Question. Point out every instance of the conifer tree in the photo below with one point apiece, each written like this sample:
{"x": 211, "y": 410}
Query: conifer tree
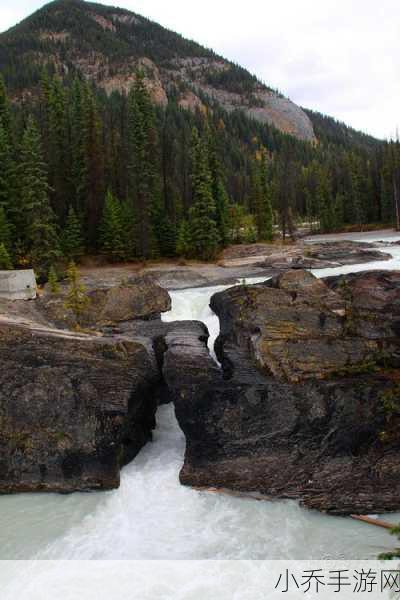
{"x": 41, "y": 238}
{"x": 78, "y": 150}
{"x": 183, "y": 240}
{"x": 5, "y": 112}
{"x": 128, "y": 230}
{"x": 53, "y": 281}
{"x": 324, "y": 201}
{"x": 355, "y": 204}
{"x": 57, "y": 146}
{"x": 144, "y": 184}
{"x": 5, "y": 260}
{"x": 93, "y": 163}
{"x": 218, "y": 190}
{"x": 72, "y": 238}
{"x": 77, "y": 299}
{"x": 339, "y": 211}
{"x": 8, "y": 184}
{"x": 5, "y": 230}
{"x": 111, "y": 229}
{"x": 261, "y": 198}
{"x": 167, "y": 236}
{"x": 203, "y": 227}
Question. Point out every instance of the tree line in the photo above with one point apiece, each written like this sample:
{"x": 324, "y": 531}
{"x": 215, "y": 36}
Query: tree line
{"x": 82, "y": 173}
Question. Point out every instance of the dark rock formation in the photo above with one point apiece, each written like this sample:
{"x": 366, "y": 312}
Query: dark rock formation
{"x": 141, "y": 298}
{"x": 307, "y": 404}
{"x": 73, "y": 408}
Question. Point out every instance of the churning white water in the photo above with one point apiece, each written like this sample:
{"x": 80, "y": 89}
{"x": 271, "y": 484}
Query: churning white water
{"x": 152, "y": 517}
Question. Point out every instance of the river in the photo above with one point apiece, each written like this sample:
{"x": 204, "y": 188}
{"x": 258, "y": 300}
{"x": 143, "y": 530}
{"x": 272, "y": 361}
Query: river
{"x": 152, "y": 517}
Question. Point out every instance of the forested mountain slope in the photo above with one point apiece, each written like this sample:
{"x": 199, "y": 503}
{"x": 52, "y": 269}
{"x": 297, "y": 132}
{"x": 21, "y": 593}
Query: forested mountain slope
{"x": 108, "y": 44}
{"x": 120, "y": 137}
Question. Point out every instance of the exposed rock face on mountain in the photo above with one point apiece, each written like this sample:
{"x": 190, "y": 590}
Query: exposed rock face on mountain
{"x": 107, "y": 45}
{"x": 73, "y": 408}
{"x": 206, "y": 75}
{"x": 307, "y": 405}
{"x": 139, "y": 299}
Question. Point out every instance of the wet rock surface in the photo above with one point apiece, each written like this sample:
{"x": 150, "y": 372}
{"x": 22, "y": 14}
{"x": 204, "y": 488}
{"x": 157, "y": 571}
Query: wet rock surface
{"x": 306, "y": 405}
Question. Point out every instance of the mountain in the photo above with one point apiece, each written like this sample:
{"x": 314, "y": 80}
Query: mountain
{"x": 107, "y": 45}
{"x": 121, "y": 138}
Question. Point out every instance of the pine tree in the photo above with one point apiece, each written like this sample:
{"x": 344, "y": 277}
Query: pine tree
{"x": 72, "y": 238}
{"x": 144, "y": 184}
{"x": 111, "y": 229}
{"x": 5, "y": 230}
{"x": 8, "y": 184}
{"x": 5, "y": 111}
{"x": 167, "y": 236}
{"x": 57, "y": 147}
{"x": 128, "y": 230}
{"x": 218, "y": 190}
{"x": 236, "y": 222}
{"x": 324, "y": 201}
{"x": 203, "y": 227}
{"x": 78, "y": 150}
{"x": 183, "y": 240}
{"x": 5, "y": 260}
{"x": 87, "y": 159}
{"x": 338, "y": 211}
{"x": 356, "y": 207}
{"x": 40, "y": 233}
{"x": 77, "y": 299}
{"x": 53, "y": 281}
{"x": 261, "y": 198}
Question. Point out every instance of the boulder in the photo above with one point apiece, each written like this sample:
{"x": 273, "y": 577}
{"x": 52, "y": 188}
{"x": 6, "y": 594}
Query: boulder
{"x": 141, "y": 298}
{"x": 292, "y": 325}
{"x": 73, "y": 408}
{"x": 305, "y": 407}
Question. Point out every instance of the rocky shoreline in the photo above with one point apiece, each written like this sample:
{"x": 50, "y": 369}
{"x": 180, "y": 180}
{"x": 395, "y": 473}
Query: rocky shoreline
{"x": 242, "y": 262}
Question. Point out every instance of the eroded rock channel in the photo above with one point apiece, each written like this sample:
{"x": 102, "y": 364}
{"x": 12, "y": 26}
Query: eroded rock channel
{"x": 305, "y": 404}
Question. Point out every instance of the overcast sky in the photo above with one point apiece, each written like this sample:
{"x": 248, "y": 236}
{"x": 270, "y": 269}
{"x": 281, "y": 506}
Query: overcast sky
{"x": 340, "y": 57}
